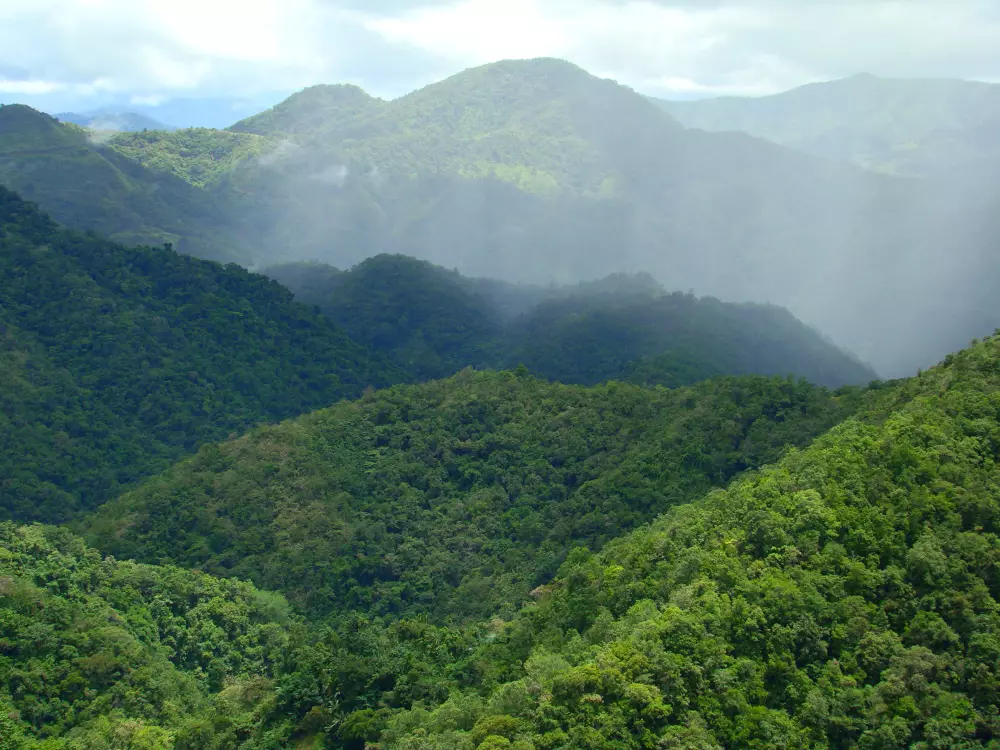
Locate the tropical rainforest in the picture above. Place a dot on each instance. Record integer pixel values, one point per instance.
(359, 426)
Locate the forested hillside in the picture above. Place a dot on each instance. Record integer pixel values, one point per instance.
(458, 497)
(433, 322)
(842, 597)
(116, 361)
(846, 597)
(96, 653)
(87, 186)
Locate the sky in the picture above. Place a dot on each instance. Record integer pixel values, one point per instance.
(211, 62)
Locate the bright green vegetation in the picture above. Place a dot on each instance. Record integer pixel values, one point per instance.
(98, 655)
(845, 597)
(902, 126)
(86, 186)
(197, 155)
(457, 497)
(433, 322)
(115, 361)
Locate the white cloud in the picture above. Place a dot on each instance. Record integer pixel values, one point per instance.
(239, 48)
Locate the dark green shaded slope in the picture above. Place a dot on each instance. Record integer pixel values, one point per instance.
(87, 186)
(433, 322)
(118, 360)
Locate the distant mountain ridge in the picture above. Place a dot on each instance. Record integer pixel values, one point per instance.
(124, 122)
(433, 322)
(889, 124)
(535, 171)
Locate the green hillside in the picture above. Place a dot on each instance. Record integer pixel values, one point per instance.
(312, 110)
(895, 125)
(457, 497)
(118, 360)
(845, 597)
(96, 653)
(196, 155)
(433, 322)
(86, 186)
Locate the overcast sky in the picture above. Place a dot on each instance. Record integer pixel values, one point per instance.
(76, 54)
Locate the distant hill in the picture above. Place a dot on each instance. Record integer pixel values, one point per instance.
(116, 360)
(433, 322)
(895, 125)
(88, 186)
(312, 110)
(122, 122)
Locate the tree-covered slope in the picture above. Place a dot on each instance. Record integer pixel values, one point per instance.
(312, 110)
(118, 360)
(196, 155)
(433, 322)
(890, 124)
(96, 653)
(844, 597)
(454, 498)
(87, 186)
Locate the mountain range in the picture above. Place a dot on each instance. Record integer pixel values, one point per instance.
(469, 465)
(529, 171)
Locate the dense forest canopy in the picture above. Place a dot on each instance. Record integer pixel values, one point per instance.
(433, 322)
(118, 360)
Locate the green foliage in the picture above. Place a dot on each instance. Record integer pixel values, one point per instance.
(115, 361)
(108, 654)
(844, 597)
(87, 186)
(458, 497)
(197, 155)
(433, 322)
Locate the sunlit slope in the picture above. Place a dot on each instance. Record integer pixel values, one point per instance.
(845, 597)
(455, 498)
(106, 654)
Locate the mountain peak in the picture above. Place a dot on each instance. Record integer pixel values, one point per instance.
(310, 109)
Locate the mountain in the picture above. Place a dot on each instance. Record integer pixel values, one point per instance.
(457, 497)
(433, 322)
(117, 360)
(895, 125)
(536, 172)
(100, 654)
(87, 186)
(123, 122)
(311, 110)
(844, 597)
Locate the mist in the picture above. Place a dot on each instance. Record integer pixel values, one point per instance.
(896, 269)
